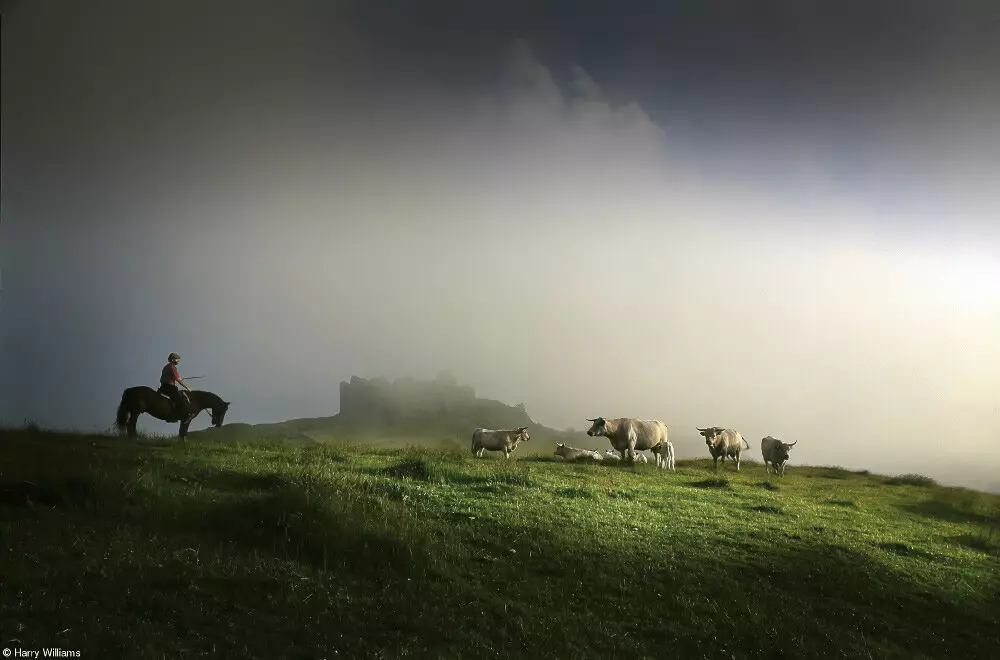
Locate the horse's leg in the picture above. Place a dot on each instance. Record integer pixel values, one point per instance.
(184, 429)
(133, 420)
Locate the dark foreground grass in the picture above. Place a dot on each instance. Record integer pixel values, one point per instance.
(155, 549)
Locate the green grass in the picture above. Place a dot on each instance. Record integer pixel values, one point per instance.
(152, 548)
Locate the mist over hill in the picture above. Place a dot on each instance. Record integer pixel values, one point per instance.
(442, 413)
(438, 412)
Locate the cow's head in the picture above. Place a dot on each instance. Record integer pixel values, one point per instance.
(781, 449)
(521, 435)
(560, 447)
(710, 434)
(599, 427)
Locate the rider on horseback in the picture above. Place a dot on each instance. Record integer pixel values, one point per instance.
(168, 385)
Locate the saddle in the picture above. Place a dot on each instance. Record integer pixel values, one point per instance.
(173, 405)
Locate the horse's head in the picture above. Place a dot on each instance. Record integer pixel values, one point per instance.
(219, 413)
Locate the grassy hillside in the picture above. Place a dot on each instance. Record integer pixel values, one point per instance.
(432, 431)
(152, 548)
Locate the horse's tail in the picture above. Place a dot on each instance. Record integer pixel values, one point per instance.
(122, 416)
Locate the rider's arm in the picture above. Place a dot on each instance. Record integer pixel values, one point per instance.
(181, 380)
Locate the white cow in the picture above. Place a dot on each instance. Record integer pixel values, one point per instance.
(505, 441)
(775, 452)
(572, 453)
(722, 443)
(627, 434)
(612, 455)
(664, 455)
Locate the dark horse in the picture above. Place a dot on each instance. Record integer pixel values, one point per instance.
(142, 399)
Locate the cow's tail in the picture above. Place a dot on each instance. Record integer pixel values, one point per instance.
(745, 441)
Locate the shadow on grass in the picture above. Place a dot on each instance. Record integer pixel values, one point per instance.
(228, 481)
(953, 511)
(451, 471)
(585, 493)
(905, 550)
(987, 541)
(799, 599)
(710, 483)
(69, 471)
(305, 520)
(828, 475)
(53, 492)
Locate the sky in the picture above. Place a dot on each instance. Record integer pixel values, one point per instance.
(781, 219)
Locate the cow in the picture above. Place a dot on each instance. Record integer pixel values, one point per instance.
(610, 454)
(505, 441)
(775, 452)
(572, 453)
(722, 443)
(627, 434)
(664, 455)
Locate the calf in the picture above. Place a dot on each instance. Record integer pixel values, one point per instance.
(505, 441)
(664, 455)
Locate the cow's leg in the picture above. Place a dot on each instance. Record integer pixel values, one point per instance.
(715, 463)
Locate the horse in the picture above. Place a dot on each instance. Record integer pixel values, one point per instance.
(142, 399)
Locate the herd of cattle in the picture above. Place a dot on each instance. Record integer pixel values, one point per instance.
(629, 436)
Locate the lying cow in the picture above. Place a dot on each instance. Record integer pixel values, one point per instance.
(722, 443)
(573, 454)
(775, 452)
(664, 455)
(505, 441)
(627, 434)
(610, 454)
